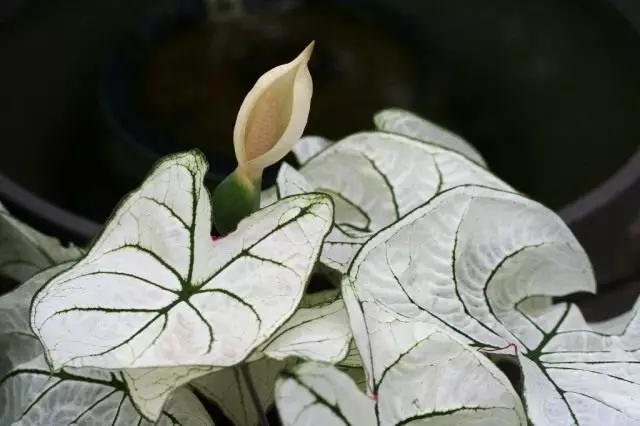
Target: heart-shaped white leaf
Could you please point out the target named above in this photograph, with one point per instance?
(309, 146)
(469, 260)
(155, 291)
(25, 251)
(228, 389)
(396, 120)
(376, 178)
(30, 394)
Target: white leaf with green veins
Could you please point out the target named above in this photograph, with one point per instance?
(576, 375)
(25, 251)
(320, 333)
(149, 387)
(376, 178)
(466, 258)
(30, 394)
(469, 260)
(154, 291)
(290, 182)
(418, 373)
(309, 146)
(320, 394)
(227, 389)
(399, 121)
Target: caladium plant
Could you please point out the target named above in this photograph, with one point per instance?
(440, 269)
(374, 179)
(464, 267)
(156, 245)
(156, 297)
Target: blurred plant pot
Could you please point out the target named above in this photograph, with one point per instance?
(547, 90)
(179, 83)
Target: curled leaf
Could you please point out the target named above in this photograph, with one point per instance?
(401, 122)
(309, 146)
(375, 179)
(25, 251)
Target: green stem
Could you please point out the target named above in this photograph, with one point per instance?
(262, 416)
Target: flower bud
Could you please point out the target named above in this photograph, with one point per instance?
(273, 115)
(270, 121)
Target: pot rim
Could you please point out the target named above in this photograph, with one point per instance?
(603, 194)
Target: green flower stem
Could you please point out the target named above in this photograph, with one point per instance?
(235, 198)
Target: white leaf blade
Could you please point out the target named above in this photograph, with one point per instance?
(476, 248)
(30, 394)
(268, 196)
(309, 146)
(595, 377)
(319, 333)
(25, 251)
(288, 182)
(319, 394)
(35, 396)
(402, 122)
(149, 387)
(14, 306)
(487, 252)
(468, 384)
(621, 324)
(375, 178)
(406, 360)
(291, 182)
(155, 292)
(467, 390)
